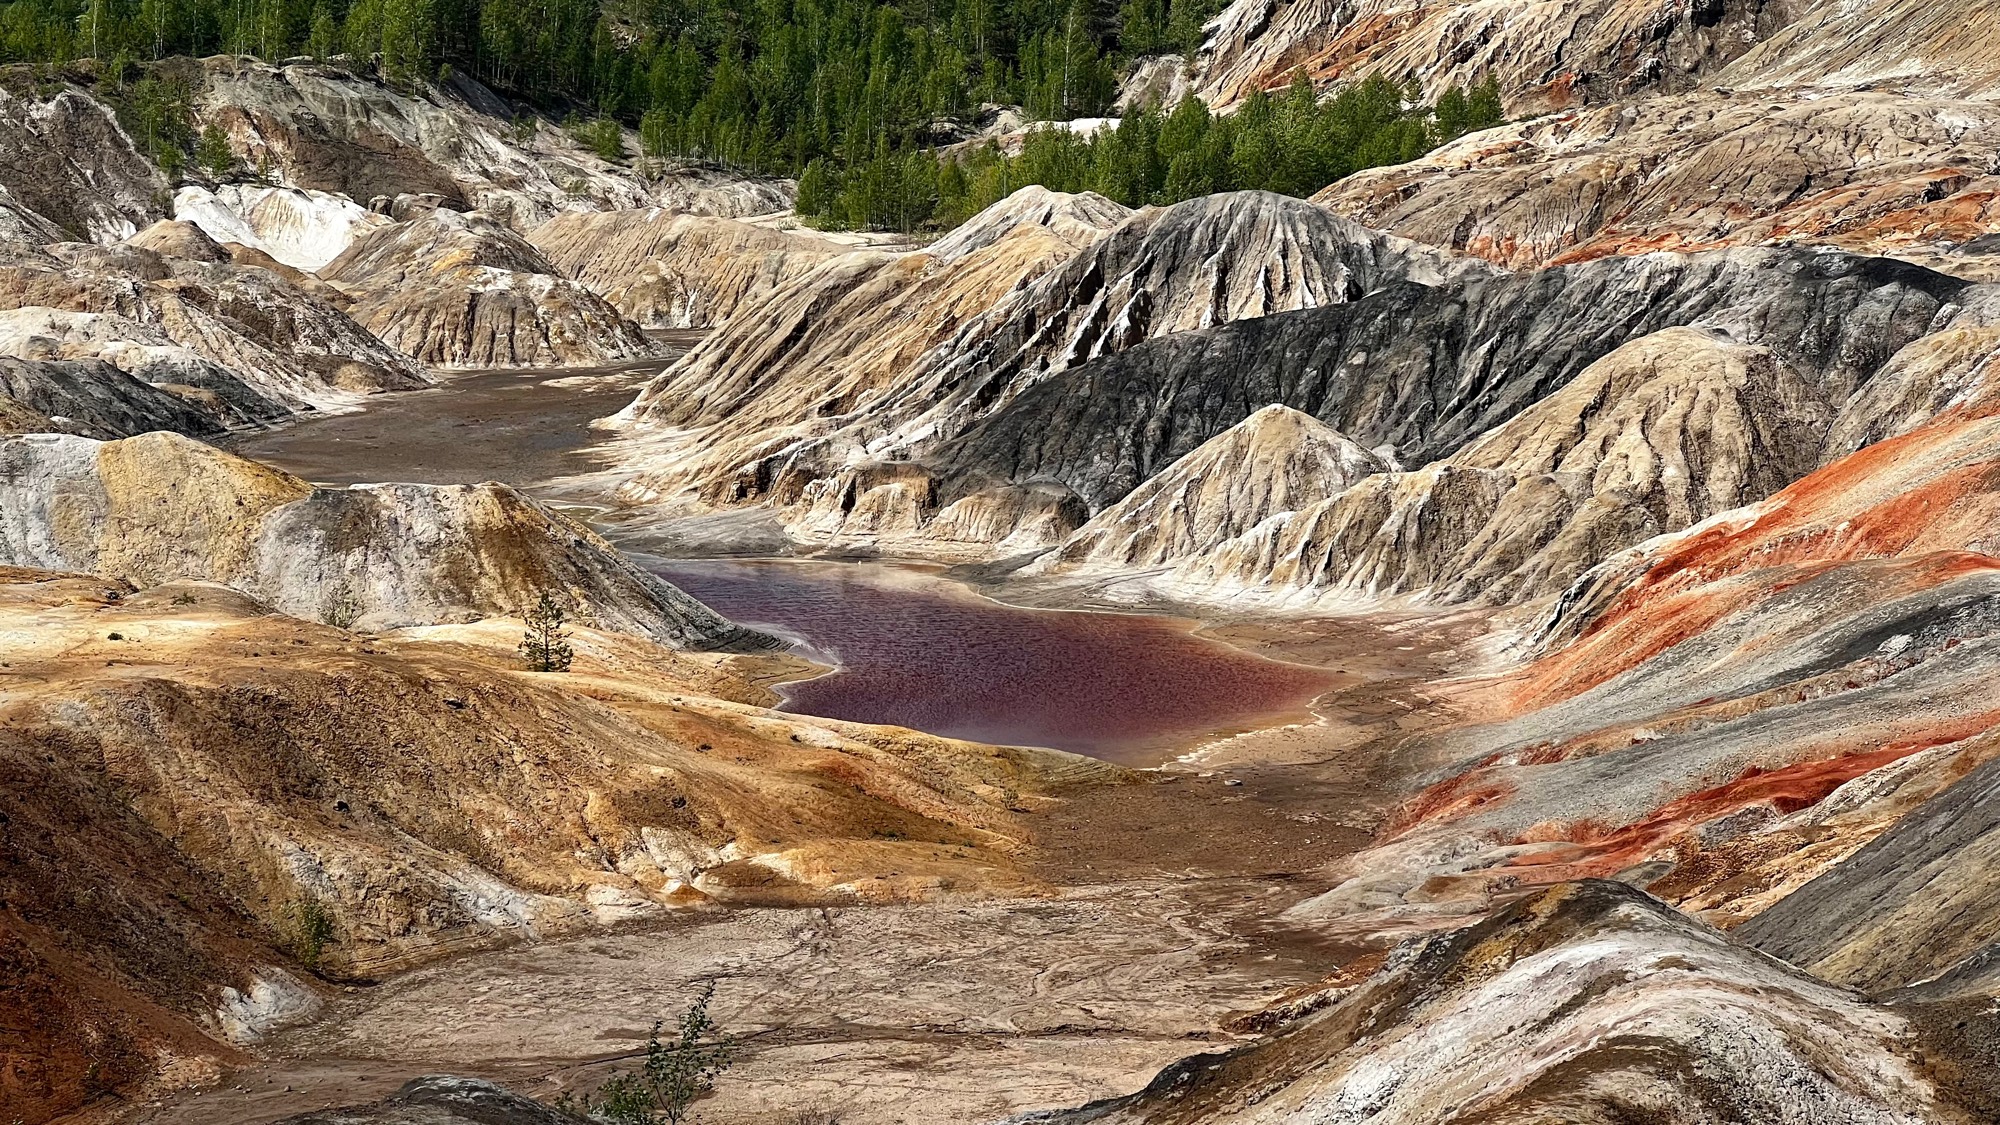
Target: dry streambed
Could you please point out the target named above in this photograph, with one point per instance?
(950, 1011)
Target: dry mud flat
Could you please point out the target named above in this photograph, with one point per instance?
(939, 1012)
(958, 1010)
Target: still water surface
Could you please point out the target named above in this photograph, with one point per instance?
(921, 651)
(912, 648)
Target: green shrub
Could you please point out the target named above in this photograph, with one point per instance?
(675, 1074)
(212, 152)
(312, 931)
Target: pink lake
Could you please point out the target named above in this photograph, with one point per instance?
(917, 650)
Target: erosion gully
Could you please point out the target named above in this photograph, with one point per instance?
(1167, 924)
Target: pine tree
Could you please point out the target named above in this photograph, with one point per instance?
(546, 644)
(817, 192)
(607, 139)
(212, 152)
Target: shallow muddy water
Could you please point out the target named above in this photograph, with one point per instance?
(522, 427)
(921, 651)
(913, 649)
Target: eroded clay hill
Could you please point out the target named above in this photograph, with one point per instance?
(1540, 420)
(670, 269)
(460, 290)
(1589, 1002)
(1776, 720)
(117, 330)
(1859, 126)
(1545, 55)
(1275, 462)
(1680, 387)
(161, 507)
(842, 447)
(257, 735)
(381, 233)
(324, 128)
(825, 355)
(211, 342)
(208, 803)
(1660, 434)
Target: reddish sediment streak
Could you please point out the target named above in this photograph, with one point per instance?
(1784, 790)
(1928, 495)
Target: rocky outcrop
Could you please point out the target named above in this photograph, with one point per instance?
(122, 348)
(1543, 55)
(159, 508)
(664, 269)
(1159, 80)
(1589, 1002)
(1872, 171)
(186, 241)
(459, 290)
(298, 227)
(1948, 369)
(1271, 464)
(1159, 272)
(66, 161)
(21, 227)
(326, 129)
(1687, 421)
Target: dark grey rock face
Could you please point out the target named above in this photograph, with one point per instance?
(94, 399)
(1921, 901)
(1425, 368)
(67, 160)
(442, 1099)
(1208, 261)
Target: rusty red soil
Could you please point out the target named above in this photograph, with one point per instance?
(1784, 790)
(1609, 849)
(1356, 45)
(1934, 491)
(1448, 800)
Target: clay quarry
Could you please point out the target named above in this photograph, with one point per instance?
(505, 620)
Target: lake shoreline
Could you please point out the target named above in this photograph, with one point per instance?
(1163, 917)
